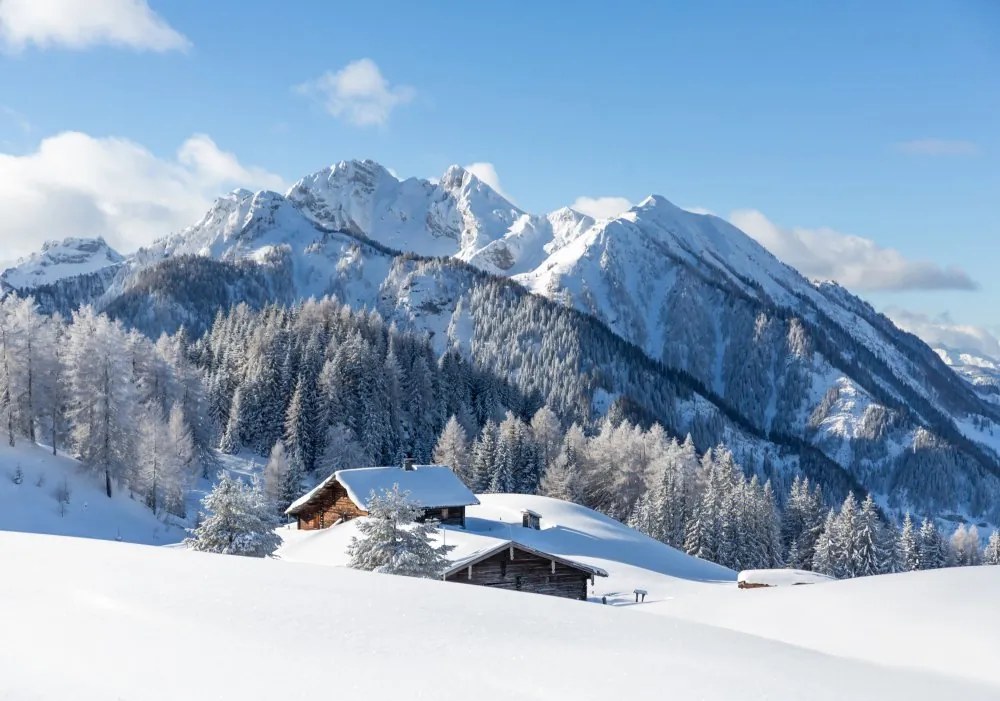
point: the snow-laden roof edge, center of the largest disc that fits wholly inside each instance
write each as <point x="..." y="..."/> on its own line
<point x="428" y="486"/>
<point x="781" y="577"/>
<point x="485" y="553"/>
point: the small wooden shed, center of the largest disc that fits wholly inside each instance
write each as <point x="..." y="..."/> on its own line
<point x="344" y="495"/>
<point x="518" y="567"/>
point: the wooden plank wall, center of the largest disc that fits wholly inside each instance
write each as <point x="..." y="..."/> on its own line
<point x="526" y="572"/>
<point x="328" y="507"/>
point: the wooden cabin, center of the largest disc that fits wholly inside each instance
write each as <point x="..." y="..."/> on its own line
<point x="519" y="567"/>
<point x="344" y="495"/>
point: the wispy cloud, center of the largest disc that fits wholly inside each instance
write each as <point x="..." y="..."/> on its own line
<point x="601" y="207"/>
<point x="855" y="262"/>
<point x="9" y="114"/>
<point x="938" y="147"/>
<point x="358" y="93"/>
<point x="74" y="184"/>
<point x="74" y="24"/>
<point x="941" y="331"/>
<point x="487" y="172"/>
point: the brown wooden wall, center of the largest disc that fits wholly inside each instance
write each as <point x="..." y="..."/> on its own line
<point x="455" y="517"/>
<point x="328" y="507"/>
<point x="526" y="572"/>
<point x="333" y="504"/>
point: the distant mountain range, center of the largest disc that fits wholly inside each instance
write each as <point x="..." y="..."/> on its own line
<point x="796" y="375"/>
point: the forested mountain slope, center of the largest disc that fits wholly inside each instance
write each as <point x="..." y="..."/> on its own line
<point x="687" y="322"/>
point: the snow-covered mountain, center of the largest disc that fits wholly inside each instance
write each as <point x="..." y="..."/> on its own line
<point x="764" y="351"/>
<point x="59" y="260"/>
<point x="981" y="371"/>
<point x="64" y="273"/>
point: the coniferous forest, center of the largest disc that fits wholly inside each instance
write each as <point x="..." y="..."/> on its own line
<point x="319" y="387"/>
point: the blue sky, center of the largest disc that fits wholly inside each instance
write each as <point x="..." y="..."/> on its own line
<point x="805" y="123"/>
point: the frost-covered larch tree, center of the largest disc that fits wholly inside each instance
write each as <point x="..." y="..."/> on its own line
<point x="452" y="449"/>
<point x="965" y="547"/>
<point x="240" y="520"/>
<point x="393" y="541"/>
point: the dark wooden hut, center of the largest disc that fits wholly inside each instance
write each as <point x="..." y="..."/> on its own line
<point x="518" y="567"/>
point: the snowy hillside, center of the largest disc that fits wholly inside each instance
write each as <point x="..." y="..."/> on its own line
<point x="88" y="605"/>
<point x="918" y="620"/>
<point x="56" y="497"/>
<point x="631" y="559"/>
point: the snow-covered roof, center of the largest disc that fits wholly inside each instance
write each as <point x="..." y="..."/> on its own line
<point x="781" y="577"/>
<point x="486" y="553"/>
<point x="428" y="486"/>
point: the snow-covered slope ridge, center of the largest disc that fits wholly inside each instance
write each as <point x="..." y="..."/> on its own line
<point x="58" y="260"/>
<point x="78" y="608"/>
<point x="54" y="496"/>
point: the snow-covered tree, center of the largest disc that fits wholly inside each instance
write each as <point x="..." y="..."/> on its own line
<point x="933" y="553"/>
<point x="547" y="431"/>
<point x="991" y="555"/>
<point x="452" y="449"/>
<point x="392" y="541"/>
<point x="240" y="520"/>
<point x="964" y="548"/>
<point x="282" y="479"/>
<point x="909" y="546"/>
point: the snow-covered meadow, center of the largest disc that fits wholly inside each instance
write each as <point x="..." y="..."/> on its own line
<point x="86" y="619"/>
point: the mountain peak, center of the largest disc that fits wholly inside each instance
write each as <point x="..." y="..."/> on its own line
<point x="57" y="260"/>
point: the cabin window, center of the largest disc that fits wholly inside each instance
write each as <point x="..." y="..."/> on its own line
<point x="444" y="514"/>
<point x="503" y="568"/>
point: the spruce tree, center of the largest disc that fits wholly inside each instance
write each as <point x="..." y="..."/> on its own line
<point x="240" y="520"/>
<point x="392" y="541"/>
<point x="909" y="546"/>
<point x="932" y="551"/>
<point x="991" y="555"/>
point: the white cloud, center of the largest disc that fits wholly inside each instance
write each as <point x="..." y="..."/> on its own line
<point x="943" y="332"/>
<point x="78" y="25"/>
<point x="855" y="262"/>
<point x="488" y="174"/>
<point x="74" y="184"/>
<point x="601" y="207"/>
<point x="358" y="93"/>
<point x="938" y="147"/>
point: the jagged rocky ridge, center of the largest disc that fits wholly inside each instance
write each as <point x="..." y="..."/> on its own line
<point x="711" y="333"/>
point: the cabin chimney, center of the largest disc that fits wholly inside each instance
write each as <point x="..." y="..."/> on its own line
<point x="408" y="463"/>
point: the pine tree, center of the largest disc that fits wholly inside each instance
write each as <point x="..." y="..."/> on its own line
<point x="484" y="457"/>
<point x="932" y="550"/>
<point x="393" y="541"/>
<point x="869" y="556"/>
<point x="824" y="556"/>
<point x="909" y="546"/>
<point x="240" y="520"/>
